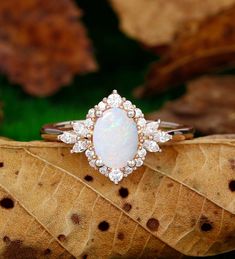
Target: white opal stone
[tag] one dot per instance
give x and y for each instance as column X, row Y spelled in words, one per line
column 115, row 138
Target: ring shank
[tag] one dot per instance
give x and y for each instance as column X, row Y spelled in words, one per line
column 179, row 132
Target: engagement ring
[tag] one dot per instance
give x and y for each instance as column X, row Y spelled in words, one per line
column 115, row 136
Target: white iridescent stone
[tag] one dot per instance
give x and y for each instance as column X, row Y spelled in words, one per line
column 115, row 138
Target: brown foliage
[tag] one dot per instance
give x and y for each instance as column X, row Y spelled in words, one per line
column 157, row 22
column 208, row 49
column 208, row 105
column 43, row 44
column 180, row 202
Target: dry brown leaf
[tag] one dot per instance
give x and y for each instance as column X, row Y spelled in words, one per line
column 210, row 48
column 208, row 105
column 157, row 22
column 181, row 201
column 43, row 44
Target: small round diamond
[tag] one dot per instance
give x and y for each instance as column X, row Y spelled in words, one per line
column 127, row 105
column 104, row 170
column 89, row 153
column 141, row 122
column 89, row 122
column 138, row 112
column 114, row 100
column 139, row 162
column 98, row 113
column 128, row 170
column 99, row 163
column 92, row 163
column 115, row 176
column 131, row 113
column 102, row 106
column 131, row 163
column 91, row 113
column 142, row 152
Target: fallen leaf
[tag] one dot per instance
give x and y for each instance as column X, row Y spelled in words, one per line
column 43, row 44
column 211, row 48
column 157, row 22
column 180, row 202
column 208, row 105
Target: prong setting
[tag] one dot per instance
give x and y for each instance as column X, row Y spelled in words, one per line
column 82, row 136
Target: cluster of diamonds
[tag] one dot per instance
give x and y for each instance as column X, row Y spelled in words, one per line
column 148, row 133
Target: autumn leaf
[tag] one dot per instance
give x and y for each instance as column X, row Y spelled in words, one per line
column 43, row 44
column 208, row 105
column 157, row 22
column 180, row 202
column 211, row 48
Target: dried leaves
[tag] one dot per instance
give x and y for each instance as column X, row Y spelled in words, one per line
column 210, row 48
column 158, row 22
column 208, row 105
column 200, row 38
column 42, row 44
column 168, row 207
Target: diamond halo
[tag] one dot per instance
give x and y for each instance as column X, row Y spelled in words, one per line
column 149, row 135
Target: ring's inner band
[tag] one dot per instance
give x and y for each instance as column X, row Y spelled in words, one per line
column 178, row 131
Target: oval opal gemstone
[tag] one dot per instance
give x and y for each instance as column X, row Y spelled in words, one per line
column 115, row 138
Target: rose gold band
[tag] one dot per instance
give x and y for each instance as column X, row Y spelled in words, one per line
column 179, row 132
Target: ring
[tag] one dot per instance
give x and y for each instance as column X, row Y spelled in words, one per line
column 115, row 136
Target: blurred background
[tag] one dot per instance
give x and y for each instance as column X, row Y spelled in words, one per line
column 122, row 66
column 174, row 59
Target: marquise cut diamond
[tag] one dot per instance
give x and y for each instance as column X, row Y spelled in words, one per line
column 68, row 137
column 80, row 128
column 161, row 136
column 151, row 127
column 80, row 146
column 151, row 146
